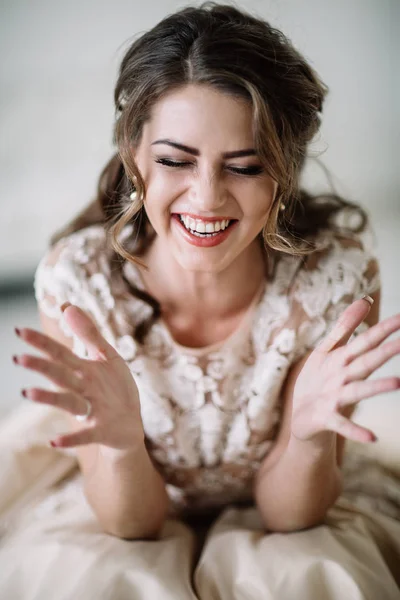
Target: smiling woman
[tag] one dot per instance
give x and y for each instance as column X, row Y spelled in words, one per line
column 211, row 186
column 213, row 327
column 191, row 105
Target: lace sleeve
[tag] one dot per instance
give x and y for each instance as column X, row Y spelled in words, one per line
column 344, row 269
column 71, row 271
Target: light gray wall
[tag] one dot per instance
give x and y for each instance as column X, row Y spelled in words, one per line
column 58, row 68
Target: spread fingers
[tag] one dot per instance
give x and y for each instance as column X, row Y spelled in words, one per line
column 372, row 338
column 56, row 372
column 53, row 349
column 72, row 403
column 363, row 366
column 359, row 390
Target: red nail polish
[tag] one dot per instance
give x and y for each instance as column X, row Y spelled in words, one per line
column 15, row 359
column 17, row 331
column 53, row 444
column 23, row 392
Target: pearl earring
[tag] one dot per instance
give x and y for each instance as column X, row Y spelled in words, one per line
column 133, row 195
column 282, row 207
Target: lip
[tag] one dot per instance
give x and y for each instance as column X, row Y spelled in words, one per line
column 206, row 242
column 204, row 219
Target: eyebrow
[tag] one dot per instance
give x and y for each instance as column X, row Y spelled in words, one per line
column 196, row 152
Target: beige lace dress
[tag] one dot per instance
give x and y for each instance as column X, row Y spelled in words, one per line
column 210, row 414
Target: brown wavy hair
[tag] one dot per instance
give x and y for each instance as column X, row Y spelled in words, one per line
column 237, row 54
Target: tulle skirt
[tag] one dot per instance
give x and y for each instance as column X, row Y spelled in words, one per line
column 52, row 547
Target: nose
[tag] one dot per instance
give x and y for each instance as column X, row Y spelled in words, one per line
column 207, row 193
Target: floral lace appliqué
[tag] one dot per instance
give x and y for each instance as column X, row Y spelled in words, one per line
column 209, row 417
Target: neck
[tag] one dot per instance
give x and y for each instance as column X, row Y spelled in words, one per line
column 204, row 295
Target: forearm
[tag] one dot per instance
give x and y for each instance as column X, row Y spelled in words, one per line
column 125, row 491
column 301, row 486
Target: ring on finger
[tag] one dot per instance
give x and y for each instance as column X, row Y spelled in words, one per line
column 87, row 414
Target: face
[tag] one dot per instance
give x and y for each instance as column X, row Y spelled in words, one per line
column 207, row 195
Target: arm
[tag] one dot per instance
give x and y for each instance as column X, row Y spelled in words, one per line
column 300, row 480
column 123, row 488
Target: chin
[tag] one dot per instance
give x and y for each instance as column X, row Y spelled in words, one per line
column 197, row 260
column 200, row 265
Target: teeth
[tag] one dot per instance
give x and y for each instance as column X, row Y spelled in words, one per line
column 202, row 226
column 209, row 228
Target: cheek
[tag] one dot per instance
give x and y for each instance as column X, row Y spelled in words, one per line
column 265, row 199
column 163, row 185
column 159, row 194
column 259, row 206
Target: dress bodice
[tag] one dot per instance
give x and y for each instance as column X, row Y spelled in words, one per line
column 210, row 414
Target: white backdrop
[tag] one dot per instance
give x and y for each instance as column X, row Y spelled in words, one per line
column 59, row 65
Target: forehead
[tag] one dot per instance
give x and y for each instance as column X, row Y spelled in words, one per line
column 200, row 114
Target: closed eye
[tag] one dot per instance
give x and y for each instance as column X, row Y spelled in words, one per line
column 252, row 170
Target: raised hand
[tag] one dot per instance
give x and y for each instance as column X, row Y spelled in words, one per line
column 103, row 379
column 334, row 376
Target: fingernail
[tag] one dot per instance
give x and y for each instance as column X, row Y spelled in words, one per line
column 15, row 359
column 368, row 299
column 64, row 306
column 23, row 393
column 52, row 444
column 17, row 331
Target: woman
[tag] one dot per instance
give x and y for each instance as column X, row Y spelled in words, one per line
column 197, row 316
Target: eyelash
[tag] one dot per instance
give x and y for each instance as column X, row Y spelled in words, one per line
column 249, row 171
